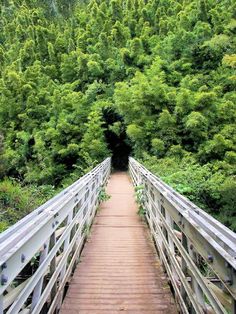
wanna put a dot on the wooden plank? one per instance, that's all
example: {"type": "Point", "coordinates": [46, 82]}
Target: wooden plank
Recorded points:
{"type": "Point", "coordinates": [119, 270]}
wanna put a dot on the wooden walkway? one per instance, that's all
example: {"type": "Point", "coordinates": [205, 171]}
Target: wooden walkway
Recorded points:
{"type": "Point", "coordinates": [119, 271]}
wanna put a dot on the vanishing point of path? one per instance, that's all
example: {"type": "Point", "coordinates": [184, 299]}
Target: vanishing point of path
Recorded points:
{"type": "Point", "coordinates": [119, 271]}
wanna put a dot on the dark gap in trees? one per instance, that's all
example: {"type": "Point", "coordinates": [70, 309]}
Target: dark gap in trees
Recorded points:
{"type": "Point", "coordinates": [116, 139]}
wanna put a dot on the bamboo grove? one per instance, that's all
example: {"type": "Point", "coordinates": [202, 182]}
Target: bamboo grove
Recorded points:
{"type": "Point", "coordinates": [167, 70]}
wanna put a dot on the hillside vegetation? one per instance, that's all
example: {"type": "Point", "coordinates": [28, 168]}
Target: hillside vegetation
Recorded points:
{"type": "Point", "coordinates": [165, 68]}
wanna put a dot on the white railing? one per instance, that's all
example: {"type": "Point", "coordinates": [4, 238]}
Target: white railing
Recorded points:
{"type": "Point", "coordinates": [197, 252]}
{"type": "Point", "coordinates": [39, 253]}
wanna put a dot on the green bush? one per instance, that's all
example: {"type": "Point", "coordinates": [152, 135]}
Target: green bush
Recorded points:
{"type": "Point", "coordinates": [16, 200]}
{"type": "Point", "coordinates": [208, 186]}
{"type": "Point", "coordinates": [158, 147]}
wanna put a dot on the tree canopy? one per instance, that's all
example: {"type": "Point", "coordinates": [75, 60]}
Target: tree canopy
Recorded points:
{"type": "Point", "coordinates": [166, 67]}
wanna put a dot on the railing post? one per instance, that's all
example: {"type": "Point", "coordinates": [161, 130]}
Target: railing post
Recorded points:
{"type": "Point", "coordinates": [184, 268]}
{"type": "Point", "coordinates": [89, 208]}
{"type": "Point", "coordinates": [170, 223]}
{"type": "Point", "coordinates": [1, 304]}
{"type": "Point", "coordinates": [159, 222]}
{"type": "Point", "coordinates": [233, 308]}
{"type": "Point", "coordinates": [38, 288]}
{"type": "Point", "coordinates": [96, 201]}
{"type": "Point", "coordinates": [53, 264]}
{"type": "Point", "coordinates": [196, 288]}
{"type": "Point", "coordinates": [65, 247]}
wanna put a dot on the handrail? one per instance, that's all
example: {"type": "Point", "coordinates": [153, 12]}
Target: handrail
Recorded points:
{"type": "Point", "coordinates": [48, 242]}
{"type": "Point", "coordinates": [197, 251]}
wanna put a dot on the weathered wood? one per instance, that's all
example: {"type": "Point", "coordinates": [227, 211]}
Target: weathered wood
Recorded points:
{"type": "Point", "coordinates": [119, 270]}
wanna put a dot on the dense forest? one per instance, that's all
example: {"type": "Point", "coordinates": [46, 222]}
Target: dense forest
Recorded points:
{"type": "Point", "coordinates": [81, 80]}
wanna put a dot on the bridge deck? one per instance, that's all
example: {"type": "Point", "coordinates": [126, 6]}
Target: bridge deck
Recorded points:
{"type": "Point", "coordinates": [119, 271]}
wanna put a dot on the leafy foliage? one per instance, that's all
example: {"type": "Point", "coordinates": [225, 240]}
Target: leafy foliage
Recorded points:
{"type": "Point", "coordinates": [166, 67]}
{"type": "Point", "coordinates": [103, 196]}
{"type": "Point", "coordinates": [139, 198]}
{"type": "Point", "coordinates": [16, 200]}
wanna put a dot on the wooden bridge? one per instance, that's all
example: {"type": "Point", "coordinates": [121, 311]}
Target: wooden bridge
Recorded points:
{"type": "Point", "coordinates": [118, 269]}
{"type": "Point", "coordinates": [185, 262]}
